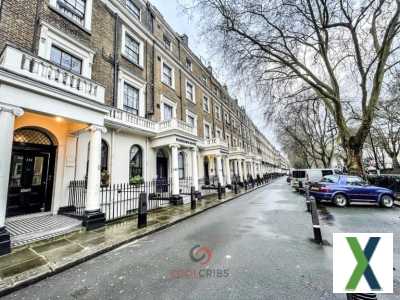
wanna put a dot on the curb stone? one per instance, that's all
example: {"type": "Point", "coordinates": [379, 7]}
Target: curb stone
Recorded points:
{"type": "Point", "coordinates": [13, 284]}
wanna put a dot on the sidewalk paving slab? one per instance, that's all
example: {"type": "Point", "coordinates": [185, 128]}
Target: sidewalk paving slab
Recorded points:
{"type": "Point", "coordinates": [36, 261]}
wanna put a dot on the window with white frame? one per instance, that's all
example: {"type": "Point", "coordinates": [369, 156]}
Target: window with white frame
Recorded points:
{"type": "Point", "coordinates": [78, 11]}
{"type": "Point", "coordinates": [228, 140]}
{"type": "Point", "coordinates": [131, 99]}
{"type": "Point", "coordinates": [168, 112]}
{"type": "Point", "coordinates": [168, 109]}
{"type": "Point", "coordinates": [190, 91]}
{"type": "Point", "coordinates": [181, 165]}
{"type": "Point", "coordinates": [206, 104]}
{"type": "Point", "coordinates": [75, 9]}
{"type": "Point", "coordinates": [227, 121]}
{"type": "Point", "coordinates": [64, 51]}
{"type": "Point", "coordinates": [133, 9]}
{"type": "Point", "coordinates": [167, 74]}
{"type": "Point", "coordinates": [207, 131]}
{"type": "Point", "coordinates": [218, 112]}
{"type": "Point", "coordinates": [132, 49]}
{"type": "Point", "coordinates": [234, 142]}
{"type": "Point", "coordinates": [191, 119]}
{"type": "Point", "coordinates": [65, 60]}
{"type": "Point", "coordinates": [219, 133]}
{"type": "Point", "coordinates": [131, 93]}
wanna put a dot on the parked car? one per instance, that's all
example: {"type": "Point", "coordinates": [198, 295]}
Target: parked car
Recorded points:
{"type": "Point", "coordinates": [343, 190]}
{"type": "Point", "coordinates": [301, 178]}
{"type": "Point", "coordinates": [298, 179]}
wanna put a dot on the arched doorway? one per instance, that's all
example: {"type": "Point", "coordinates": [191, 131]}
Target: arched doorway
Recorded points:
{"type": "Point", "coordinates": [31, 173]}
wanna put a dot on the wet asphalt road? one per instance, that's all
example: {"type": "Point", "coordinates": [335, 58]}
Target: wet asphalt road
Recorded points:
{"type": "Point", "coordinates": [260, 244]}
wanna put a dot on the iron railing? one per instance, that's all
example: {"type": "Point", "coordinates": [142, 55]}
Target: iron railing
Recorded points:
{"type": "Point", "coordinates": [185, 185]}
{"type": "Point", "coordinates": [77, 197]}
{"type": "Point", "coordinates": [120, 200]}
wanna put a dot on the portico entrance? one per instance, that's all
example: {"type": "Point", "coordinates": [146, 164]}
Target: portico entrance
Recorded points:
{"type": "Point", "coordinates": [31, 172]}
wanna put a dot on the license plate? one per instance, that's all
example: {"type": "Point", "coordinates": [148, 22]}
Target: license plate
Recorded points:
{"type": "Point", "coordinates": [314, 189]}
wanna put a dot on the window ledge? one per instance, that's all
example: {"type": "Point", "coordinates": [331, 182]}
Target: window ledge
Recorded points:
{"type": "Point", "coordinates": [132, 62]}
{"type": "Point", "coordinates": [167, 85]}
{"type": "Point", "coordinates": [57, 11]}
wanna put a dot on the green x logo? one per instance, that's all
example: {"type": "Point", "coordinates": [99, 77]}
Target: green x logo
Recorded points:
{"type": "Point", "coordinates": [363, 268]}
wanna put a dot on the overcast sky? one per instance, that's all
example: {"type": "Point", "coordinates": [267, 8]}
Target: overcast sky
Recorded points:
{"type": "Point", "coordinates": [181, 23]}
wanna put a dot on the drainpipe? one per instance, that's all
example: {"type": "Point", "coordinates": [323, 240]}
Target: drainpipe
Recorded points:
{"type": "Point", "coordinates": [180, 80]}
{"type": "Point", "coordinates": [35, 25]}
{"type": "Point", "coordinates": [115, 61]}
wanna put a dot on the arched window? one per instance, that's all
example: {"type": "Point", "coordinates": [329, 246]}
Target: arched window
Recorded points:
{"type": "Point", "coordinates": [104, 156]}
{"type": "Point", "coordinates": [135, 161]}
{"type": "Point", "coordinates": [181, 165]}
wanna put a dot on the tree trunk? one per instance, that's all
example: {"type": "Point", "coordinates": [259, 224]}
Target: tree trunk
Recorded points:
{"type": "Point", "coordinates": [395, 162]}
{"type": "Point", "coordinates": [354, 151]}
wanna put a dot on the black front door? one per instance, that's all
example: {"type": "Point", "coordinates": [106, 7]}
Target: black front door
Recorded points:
{"type": "Point", "coordinates": [162, 174]}
{"type": "Point", "coordinates": [206, 173]}
{"type": "Point", "coordinates": [31, 180]}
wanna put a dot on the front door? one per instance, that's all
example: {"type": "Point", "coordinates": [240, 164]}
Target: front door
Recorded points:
{"type": "Point", "coordinates": [162, 172]}
{"type": "Point", "coordinates": [206, 172]}
{"type": "Point", "coordinates": [31, 180]}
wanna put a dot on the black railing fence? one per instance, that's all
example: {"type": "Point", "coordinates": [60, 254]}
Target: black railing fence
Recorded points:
{"type": "Point", "coordinates": [77, 197]}
{"type": "Point", "coordinates": [120, 200]}
{"type": "Point", "coordinates": [185, 185]}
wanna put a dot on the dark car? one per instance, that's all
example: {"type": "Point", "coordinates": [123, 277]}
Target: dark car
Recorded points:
{"type": "Point", "coordinates": [344, 189]}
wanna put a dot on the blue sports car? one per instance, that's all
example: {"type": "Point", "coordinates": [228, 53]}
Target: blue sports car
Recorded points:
{"type": "Point", "coordinates": [344, 189]}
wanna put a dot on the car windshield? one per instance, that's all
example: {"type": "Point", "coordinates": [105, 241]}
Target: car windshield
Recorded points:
{"type": "Point", "coordinates": [327, 172]}
{"type": "Point", "coordinates": [330, 179]}
{"type": "Point", "coordinates": [354, 180]}
{"type": "Point", "coordinates": [299, 174]}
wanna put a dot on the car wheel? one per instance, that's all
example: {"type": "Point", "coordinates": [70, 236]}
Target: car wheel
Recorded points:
{"type": "Point", "coordinates": [387, 201]}
{"type": "Point", "coordinates": [340, 200]}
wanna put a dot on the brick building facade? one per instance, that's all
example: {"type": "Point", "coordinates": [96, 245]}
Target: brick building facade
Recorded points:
{"type": "Point", "coordinates": [106, 92]}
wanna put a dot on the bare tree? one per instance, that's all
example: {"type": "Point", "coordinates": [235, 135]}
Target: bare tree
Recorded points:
{"type": "Point", "coordinates": [386, 129]}
{"type": "Point", "coordinates": [340, 49]}
{"type": "Point", "coordinates": [311, 127]}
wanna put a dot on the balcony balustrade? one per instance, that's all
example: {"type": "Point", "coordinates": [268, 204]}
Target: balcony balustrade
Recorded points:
{"type": "Point", "coordinates": [39, 69]}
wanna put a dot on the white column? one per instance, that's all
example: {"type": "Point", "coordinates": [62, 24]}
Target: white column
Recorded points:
{"type": "Point", "coordinates": [227, 171]}
{"type": "Point", "coordinates": [7, 118]}
{"type": "Point", "coordinates": [175, 169]}
{"type": "Point", "coordinates": [195, 171]}
{"type": "Point", "coordinates": [219, 170]}
{"type": "Point", "coordinates": [94, 172]}
{"type": "Point", "coordinates": [240, 170]}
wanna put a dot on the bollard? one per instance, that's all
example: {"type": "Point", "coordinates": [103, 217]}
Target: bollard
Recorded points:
{"type": "Point", "coordinates": [361, 296]}
{"type": "Point", "coordinates": [315, 222]}
{"type": "Point", "coordinates": [192, 198]}
{"type": "Point", "coordinates": [245, 185]}
{"type": "Point", "coordinates": [308, 203]}
{"type": "Point", "coordinates": [235, 188]}
{"type": "Point", "coordinates": [142, 210]}
{"type": "Point", "coordinates": [219, 191]}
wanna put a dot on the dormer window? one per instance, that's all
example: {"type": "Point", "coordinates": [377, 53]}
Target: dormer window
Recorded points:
{"type": "Point", "coordinates": [133, 9]}
{"type": "Point", "coordinates": [167, 42]}
{"type": "Point", "coordinates": [188, 64]}
{"type": "Point", "coordinates": [74, 9]}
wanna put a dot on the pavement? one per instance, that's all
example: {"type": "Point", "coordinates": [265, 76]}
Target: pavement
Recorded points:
{"type": "Point", "coordinates": [256, 247]}
{"type": "Point", "coordinates": [33, 262]}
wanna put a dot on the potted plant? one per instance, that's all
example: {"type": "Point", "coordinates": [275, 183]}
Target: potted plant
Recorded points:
{"type": "Point", "coordinates": [136, 180]}
{"type": "Point", "coordinates": [105, 178]}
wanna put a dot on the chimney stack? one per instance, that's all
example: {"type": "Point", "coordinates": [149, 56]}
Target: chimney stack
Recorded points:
{"type": "Point", "coordinates": [185, 40]}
